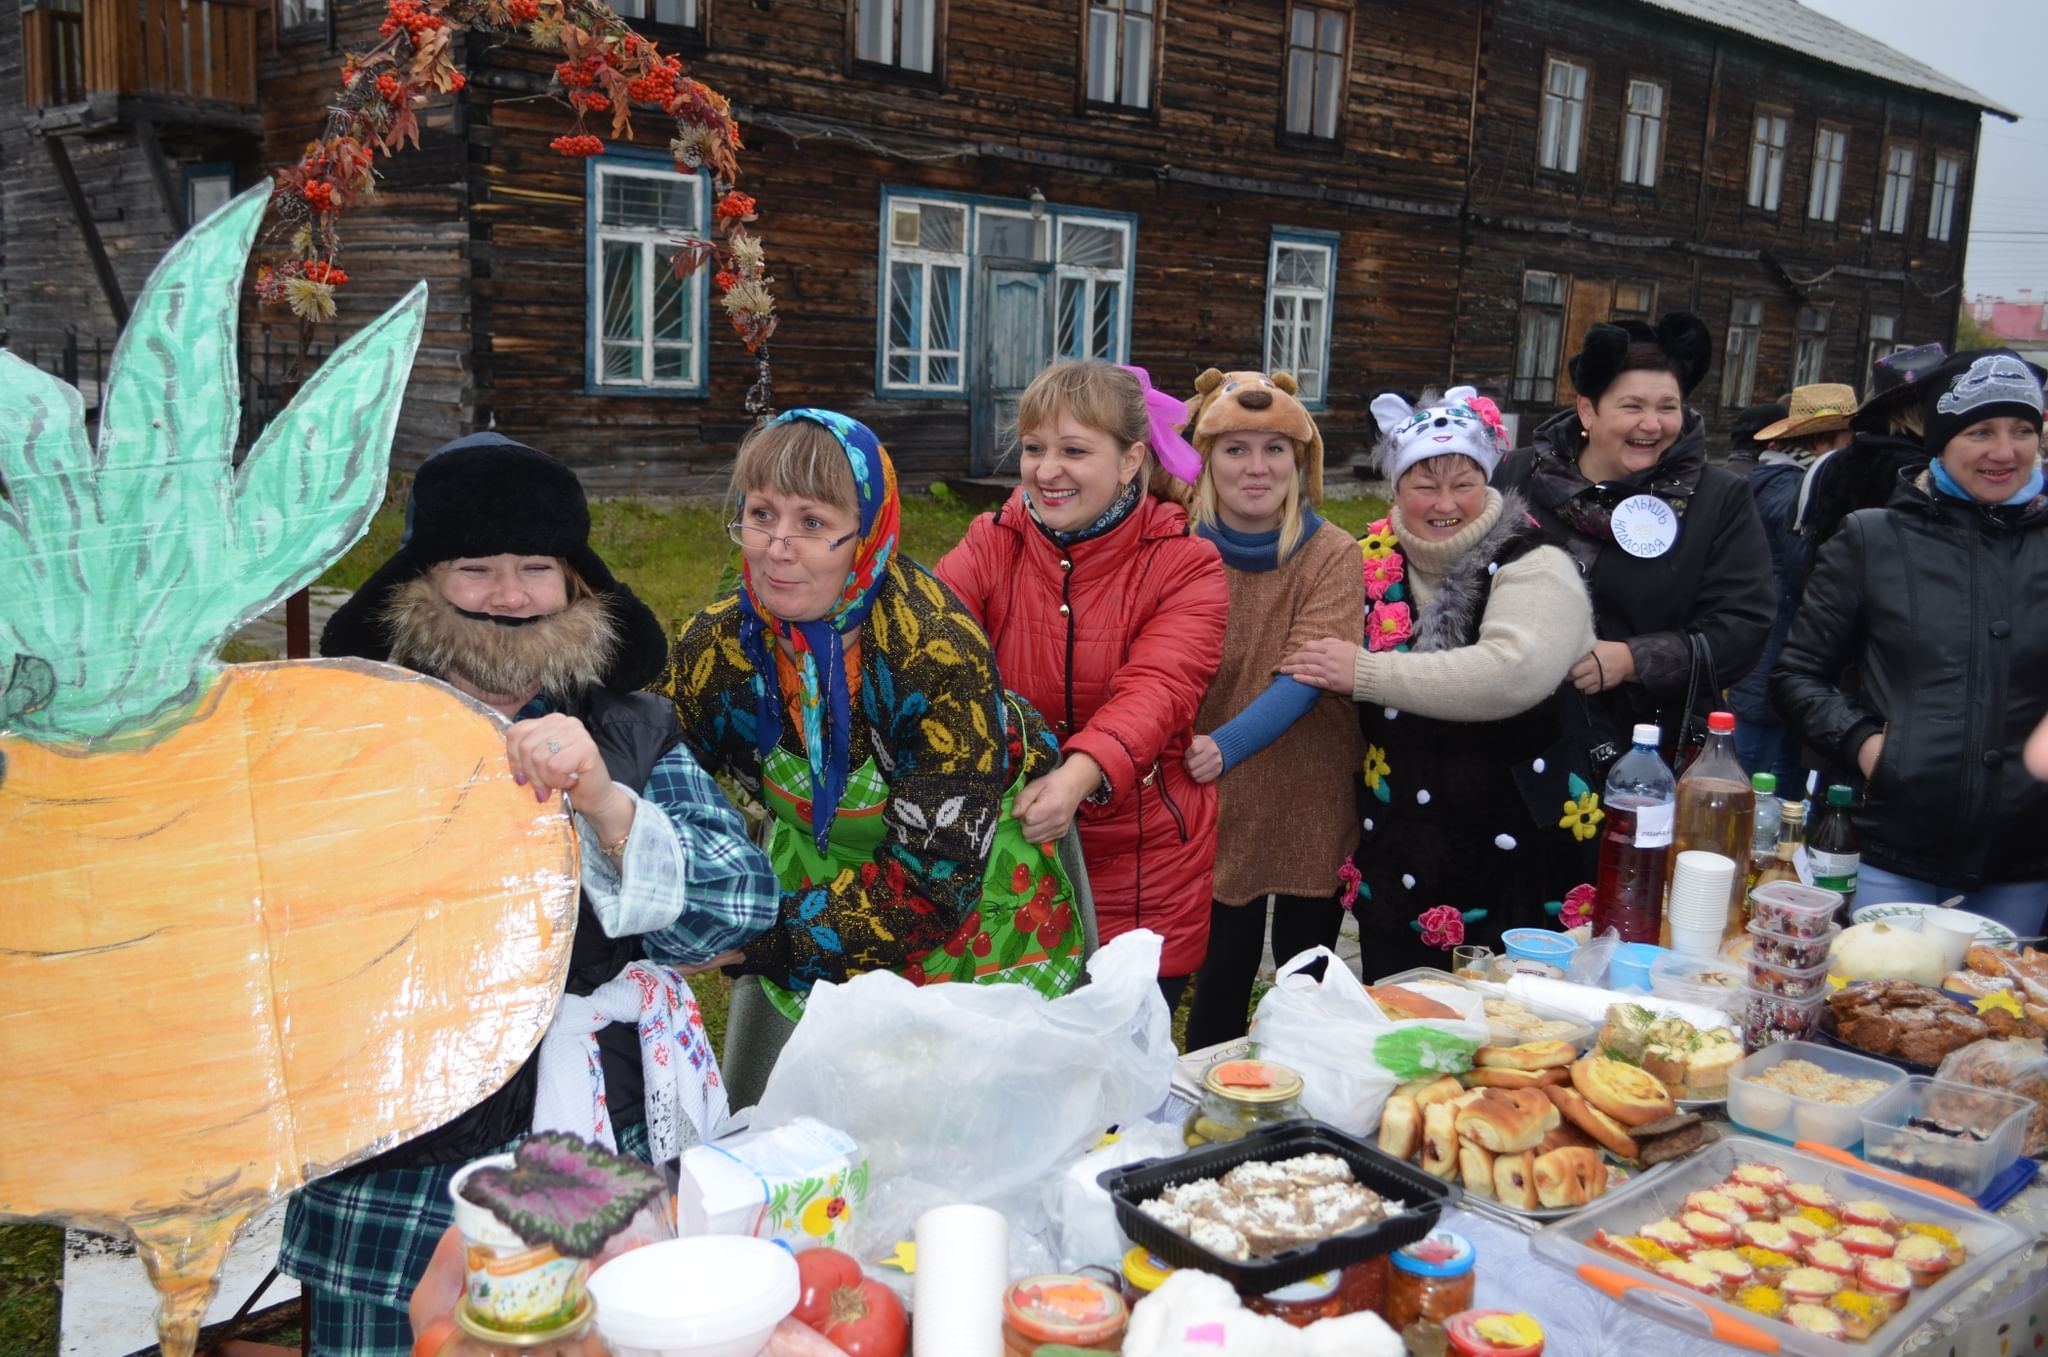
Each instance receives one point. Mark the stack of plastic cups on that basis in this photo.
(1701, 885)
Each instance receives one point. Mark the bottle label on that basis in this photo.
(1654, 824)
(1834, 871)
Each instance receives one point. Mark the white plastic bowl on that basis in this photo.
(708, 1296)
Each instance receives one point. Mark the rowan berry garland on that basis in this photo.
(606, 68)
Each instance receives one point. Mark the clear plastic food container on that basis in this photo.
(1792, 908)
(1564, 1027)
(1787, 1116)
(1567, 1246)
(1786, 982)
(1899, 1131)
(1768, 1019)
(1791, 951)
(1701, 980)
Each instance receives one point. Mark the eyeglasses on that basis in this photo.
(803, 544)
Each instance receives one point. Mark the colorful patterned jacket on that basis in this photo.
(929, 712)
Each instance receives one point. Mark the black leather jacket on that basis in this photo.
(1924, 620)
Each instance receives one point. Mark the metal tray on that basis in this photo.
(1540, 1216)
(1424, 1196)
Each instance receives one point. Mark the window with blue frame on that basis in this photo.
(931, 243)
(646, 325)
(1301, 281)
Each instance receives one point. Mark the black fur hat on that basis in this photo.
(1681, 335)
(486, 495)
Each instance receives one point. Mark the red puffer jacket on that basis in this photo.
(1115, 641)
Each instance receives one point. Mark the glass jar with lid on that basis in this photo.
(469, 1336)
(1064, 1309)
(1240, 1096)
(1494, 1333)
(1432, 1279)
(1327, 1295)
(1144, 1272)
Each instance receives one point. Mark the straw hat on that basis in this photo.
(1820, 408)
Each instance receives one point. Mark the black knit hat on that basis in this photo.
(1681, 335)
(486, 495)
(1978, 385)
(1742, 429)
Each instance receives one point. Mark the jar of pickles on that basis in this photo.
(1494, 1333)
(1432, 1279)
(1240, 1096)
(1144, 1272)
(1076, 1312)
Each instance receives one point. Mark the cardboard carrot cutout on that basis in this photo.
(257, 922)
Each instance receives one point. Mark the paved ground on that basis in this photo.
(268, 631)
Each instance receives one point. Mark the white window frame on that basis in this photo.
(1642, 132)
(643, 12)
(1091, 280)
(300, 13)
(656, 244)
(927, 260)
(1738, 372)
(1325, 120)
(1768, 137)
(1809, 345)
(1946, 191)
(878, 31)
(1539, 338)
(1120, 32)
(1824, 195)
(1303, 314)
(1882, 338)
(1561, 130)
(1052, 220)
(1897, 205)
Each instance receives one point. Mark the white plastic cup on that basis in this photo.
(1703, 942)
(1953, 930)
(1702, 885)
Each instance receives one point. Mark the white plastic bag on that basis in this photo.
(976, 1093)
(1083, 1218)
(1350, 1055)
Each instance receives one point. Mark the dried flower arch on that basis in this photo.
(605, 67)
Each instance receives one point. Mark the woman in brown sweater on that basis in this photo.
(1282, 753)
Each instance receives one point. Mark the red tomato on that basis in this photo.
(863, 1318)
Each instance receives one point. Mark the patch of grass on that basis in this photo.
(31, 1262)
(238, 651)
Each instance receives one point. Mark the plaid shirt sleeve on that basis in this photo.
(691, 882)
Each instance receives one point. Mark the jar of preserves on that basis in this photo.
(465, 1335)
(1076, 1312)
(1432, 1279)
(1327, 1295)
(1144, 1272)
(1494, 1333)
(1240, 1096)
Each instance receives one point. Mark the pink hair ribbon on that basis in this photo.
(1163, 413)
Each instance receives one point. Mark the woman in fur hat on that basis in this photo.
(1474, 616)
(847, 689)
(1281, 753)
(494, 590)
(1670, 546)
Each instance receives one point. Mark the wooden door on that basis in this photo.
(1591, 302)
(1013, 343)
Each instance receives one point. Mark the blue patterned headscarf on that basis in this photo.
(820, 646)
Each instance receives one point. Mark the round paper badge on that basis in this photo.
(1644, 526)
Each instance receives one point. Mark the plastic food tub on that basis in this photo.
(1966, 1165)
(1701, 980)
(1797, 910)
(1768, 1019)
(710, 1296)
(1540, 944)
(1631, 964)
(1567, 1246)
(1580, 1033)
(1789, 1117)
(1786, 982)
(1793, 953)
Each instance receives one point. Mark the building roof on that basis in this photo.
(1791, 25)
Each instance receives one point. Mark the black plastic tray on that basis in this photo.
(1424, 1195)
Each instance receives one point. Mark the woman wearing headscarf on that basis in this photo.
(848, 690)
(1473, 617)
(1917, 663)
(494, 589)
(1670, 546)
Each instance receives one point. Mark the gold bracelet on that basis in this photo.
(617, 851)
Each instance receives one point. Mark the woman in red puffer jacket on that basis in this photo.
(1107, 613)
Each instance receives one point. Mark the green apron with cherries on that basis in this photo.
(1026, 930)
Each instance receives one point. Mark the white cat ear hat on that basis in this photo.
(1462, 422)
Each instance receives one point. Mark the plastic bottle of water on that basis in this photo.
(1770, 812)
(1635, 849)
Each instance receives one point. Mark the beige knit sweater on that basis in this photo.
(1286, 817)
(1538, 623)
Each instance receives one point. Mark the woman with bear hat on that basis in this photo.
(1474, 616)
(1671, 546)
(1282, 753)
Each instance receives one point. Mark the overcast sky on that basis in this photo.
(1995, 47)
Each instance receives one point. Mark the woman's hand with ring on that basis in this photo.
(555, 753)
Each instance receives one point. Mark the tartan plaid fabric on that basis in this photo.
(357, 1242)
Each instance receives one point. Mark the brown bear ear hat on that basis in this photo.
(1227, 402)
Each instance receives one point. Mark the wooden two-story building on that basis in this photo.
(955, 191)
